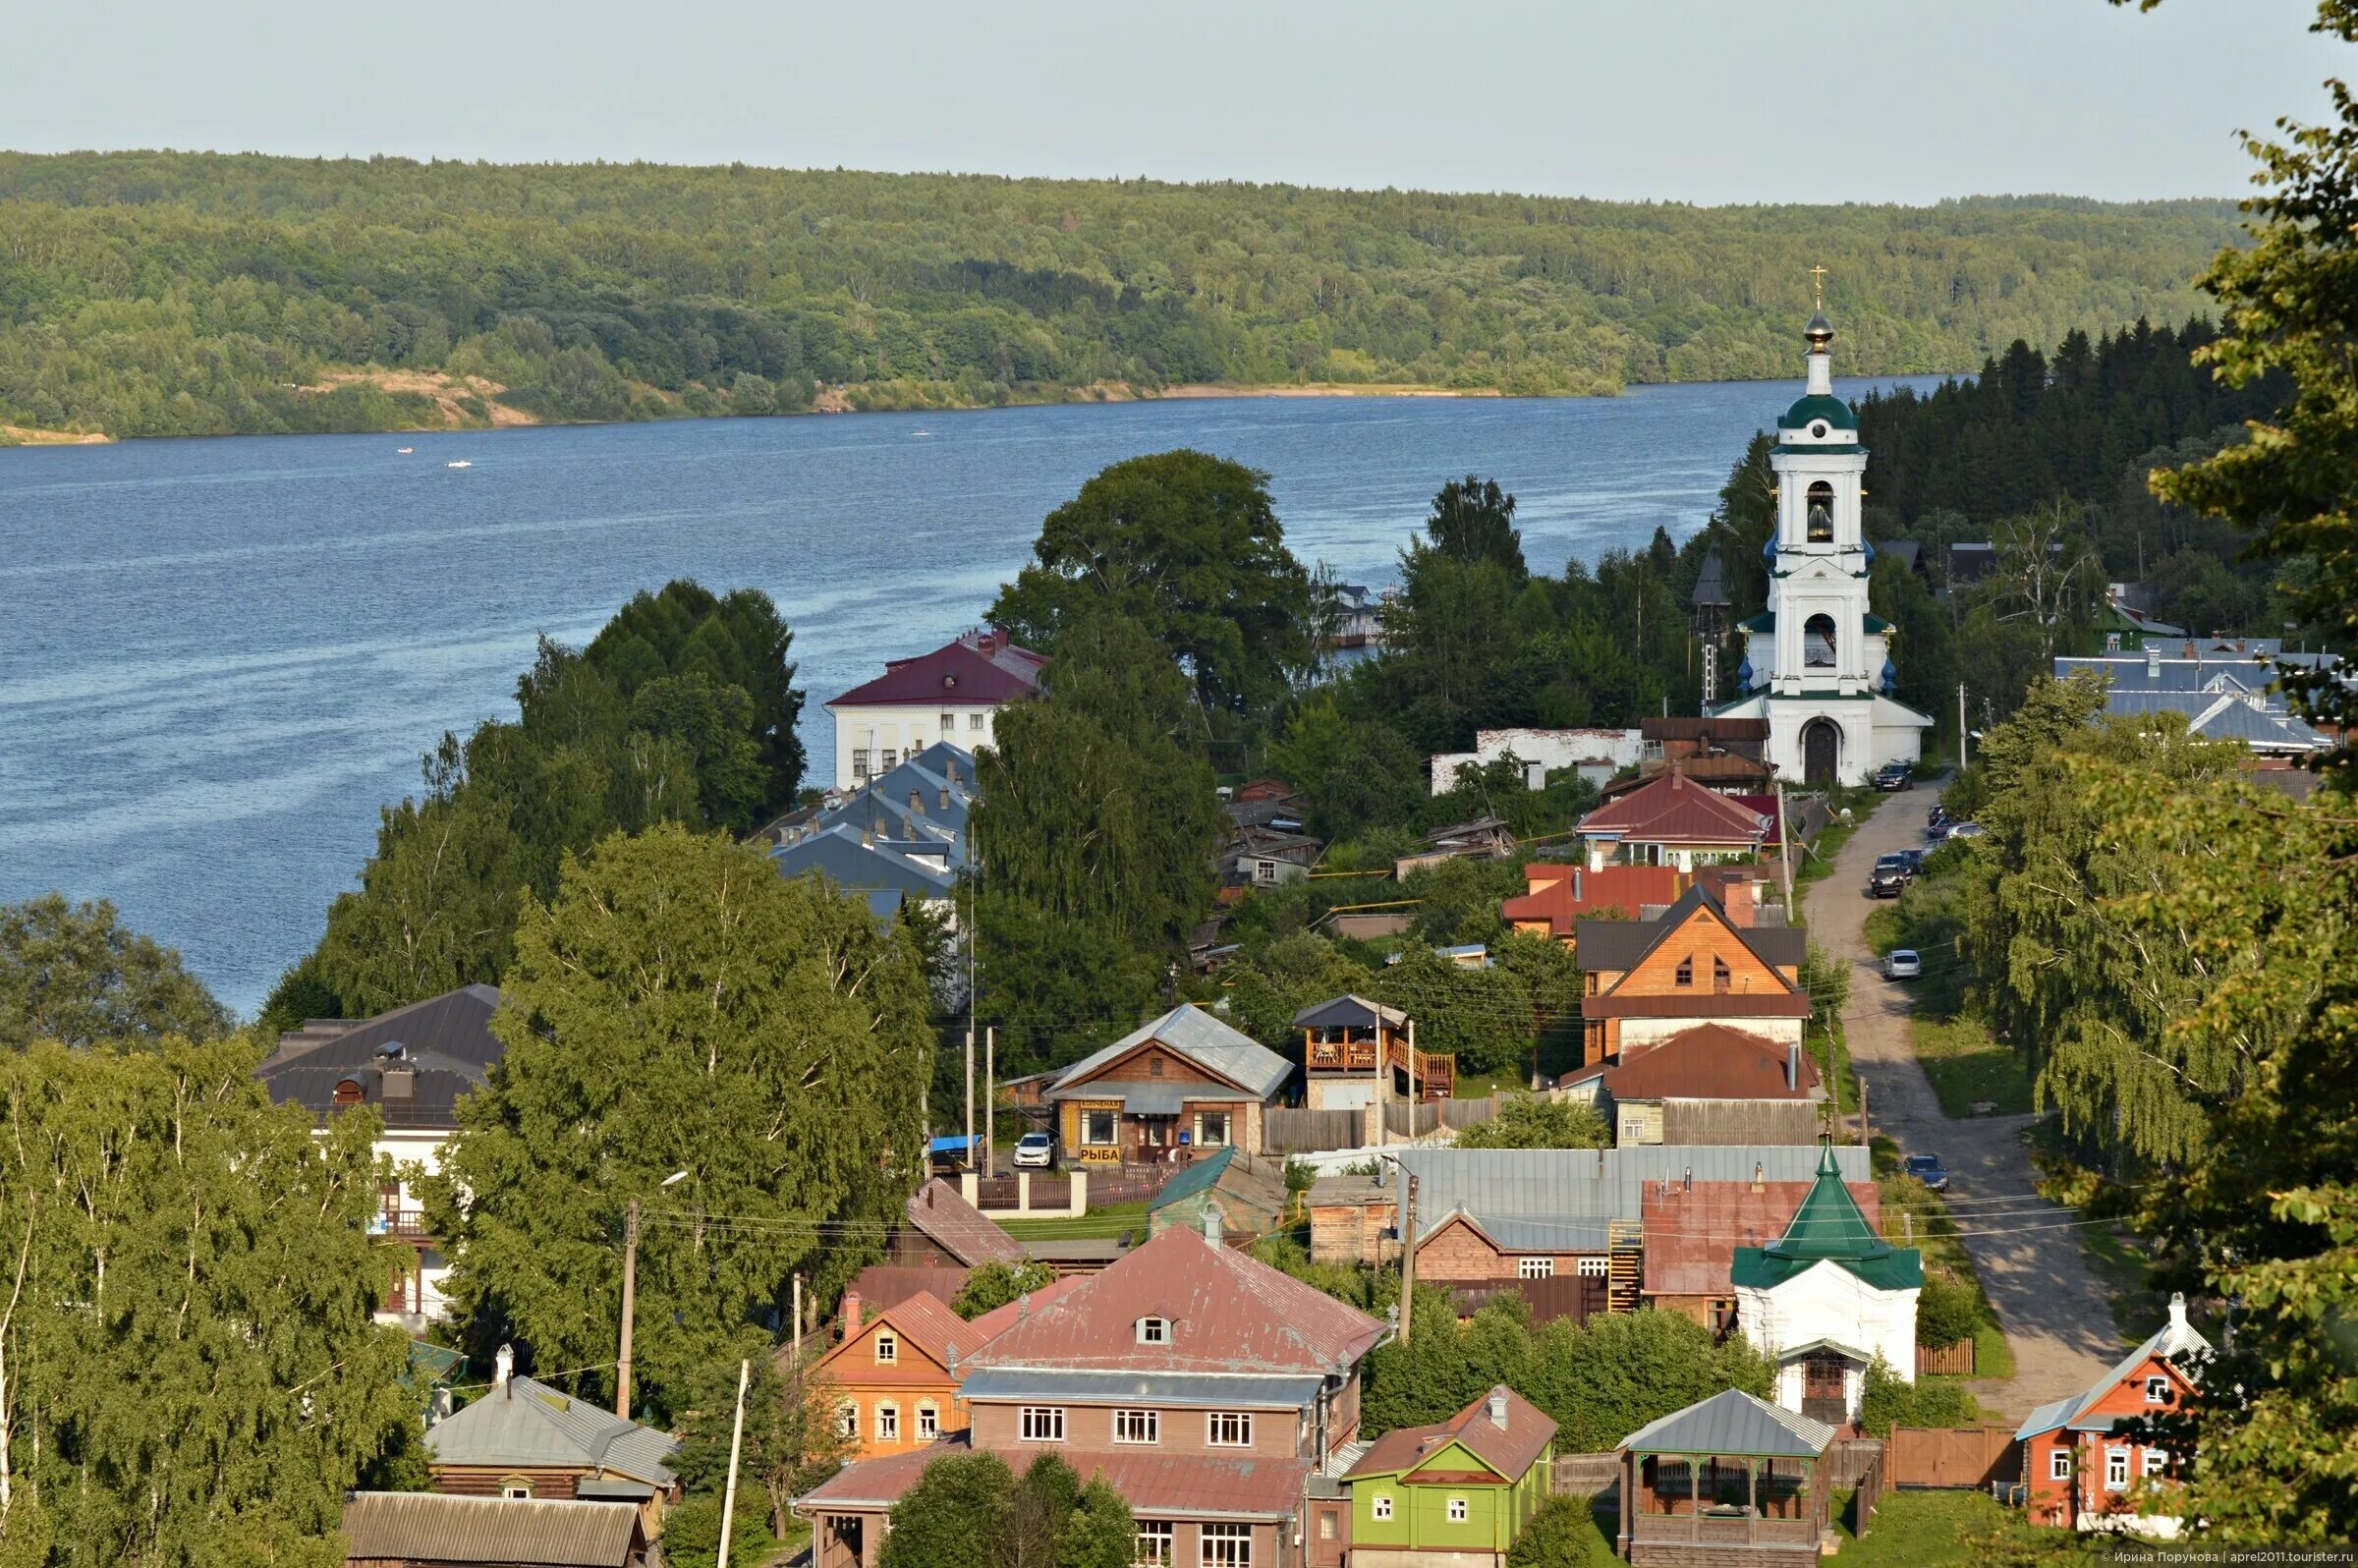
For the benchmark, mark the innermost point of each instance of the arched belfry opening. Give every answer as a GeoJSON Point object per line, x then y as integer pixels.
{"type": "Point", "coordinates": [1820, 512]}
{"type": "Point", "coordinates": [1817, 643]}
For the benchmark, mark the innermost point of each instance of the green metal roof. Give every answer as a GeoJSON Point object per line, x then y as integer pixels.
{"type": "Point", "coordinates": [1199, 1176]}
{"type": "Point", "coordinates": [1828, 1227]}
{"type": "Point", "coordinates": [1876, 623]}
{"type": "Point", "coordinates": [1832, 410]}
{"type": "Point", "coordinates": [1766, 621]}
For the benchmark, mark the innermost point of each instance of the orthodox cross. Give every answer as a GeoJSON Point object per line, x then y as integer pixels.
{"type": "Point", "coordinates": [1818, 280]}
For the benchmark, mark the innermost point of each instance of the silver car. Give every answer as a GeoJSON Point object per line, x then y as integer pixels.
{"type": "Point", "coordinates": [1902, 963]}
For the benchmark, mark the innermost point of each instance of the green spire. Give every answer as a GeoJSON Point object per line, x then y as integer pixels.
{"type": "Point", "coordinates": [1829, 1227]}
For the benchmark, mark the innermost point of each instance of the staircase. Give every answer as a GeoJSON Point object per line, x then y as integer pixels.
{"type": "Point", "coordinates": [1625, 1267]}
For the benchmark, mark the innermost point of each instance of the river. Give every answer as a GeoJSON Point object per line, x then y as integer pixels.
{"type": "Point", "coordinates": [220, 657]}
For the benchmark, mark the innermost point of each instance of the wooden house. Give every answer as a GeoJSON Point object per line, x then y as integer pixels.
{"type": "Point", "coordinates": [1644, 981]}
{"type": "Point", "coordinates": [1184, 1080]}
{"type": "Point", "coordinates": [1355, 1053]}
{"type": "Point", "coordinates": [430, 1529]}
{"type": "Point", "coordinates": [891, 1376]}
{"type": "Point", "coordinates": [2086, 1464]}
{"type": "Point", "coordinates": [1456, 1491]}
{"type": "Point", "coordinates": [1244, 1193]}
{"type": "Point", "coordinates": [524, 1439]}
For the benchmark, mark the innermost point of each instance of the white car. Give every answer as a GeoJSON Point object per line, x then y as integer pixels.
{"type": "Point", "coordinates": [1034, 1151]}
{"type": "Point", "coordinates": [1967, 830]}
{"type": "Point", "coordinates": [1902, 963]}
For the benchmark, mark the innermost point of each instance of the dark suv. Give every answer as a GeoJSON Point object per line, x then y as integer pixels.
{"type": "Point", "coordinates": [1894, 776]}
{"type": "Point", "coordinates": [1890, 876]}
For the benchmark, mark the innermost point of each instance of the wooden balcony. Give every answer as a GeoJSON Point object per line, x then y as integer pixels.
{"type": "Point", "coordinates": [1435, 1072]}
{"type": "Point", "coordinates": [407, 1224]}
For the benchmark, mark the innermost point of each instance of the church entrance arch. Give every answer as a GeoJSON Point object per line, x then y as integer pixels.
{"type": "Point", "coordinates": [1821, 751]}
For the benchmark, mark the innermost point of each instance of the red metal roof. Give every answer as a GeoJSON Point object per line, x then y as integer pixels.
{"type": "Point", "coordinates": [1709, 1062]}
{"type": "Point", "coordinates": [1577, 893]}
{"type": "Point", "coordinates": [1509, 1451]}
{"type": "Point", "coordinates": [982, 1331]}
{"type": "Point", "coordinates": [979, 667]}
{"type": "Point", "coordinates": [1157, 1485]}
{"type": "Point", "coordinates": [961, 1229]}
{"type": "Point", "coordinates": [880, 1285]}
{"type": "Point", "coordinates": [1672, 810]}
{"type": "Point", "coordinates": [1229, 1311]}
{"type": "Point", "coordinates": [924, 1323]}
{"type": "Point", "coordinates": [1691, 1237]}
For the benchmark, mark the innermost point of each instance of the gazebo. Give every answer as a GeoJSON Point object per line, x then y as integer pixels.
{"type": "Point", "coordinates": [1732, 1478]}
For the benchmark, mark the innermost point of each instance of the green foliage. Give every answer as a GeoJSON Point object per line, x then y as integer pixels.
{"type": "Point", "coordinates": [791, 1440]}
{"type": "Point", "coordinates": [178, 294]}
{"type": "Point", "coordinates": [72, 973]}
{"type": "Point", "coordinates": [1892, 1401]}
{"type": "Point", "coordinates": [680, 1006]}
{"type": "Point", "coordinates": [187, 1299]}
{"type": "Point", "coordinates": [1948, 1309]}
{"type": "Point", "coordinates": [1600, 1382]}
{"type": "Point", "coordinates": [1526, 1121]}
{"type": "Point", "coordinates": [1562, 1533]}
{"type": "Point", "coordinates": [1187, 547]}
{"type": "Point", "coordinates": [692, 1532]}
{"type": "Point", "coordinates": [1095, 827]}
{"type": "Point", "coordinates": [1361, 1285]}
{"type": "Point", "coordinates": [995, 1284]}
{"type": "Point", "coordinates": [970, 1511]}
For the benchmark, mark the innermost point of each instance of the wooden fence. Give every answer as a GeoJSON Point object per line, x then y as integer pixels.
{"type": "Point", "coordinates": [1852, 1457]}
{"type": "Point", "coordinates": [1952, 1456]}
{"type": "Point", "coordinates": [1945, 1361]}
{"type": "Point", "coordinates": [1307, 1132]}
{"type": "Point", "coordinates": [1588, 1475]}
{"type": "Point", "coordinates": [1871, 1484]}
{"type": "Point", "coordinates": [1574, 1296]}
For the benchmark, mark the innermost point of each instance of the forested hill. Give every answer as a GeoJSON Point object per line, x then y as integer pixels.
{"type": "Point", "coordinates": [145, 294]}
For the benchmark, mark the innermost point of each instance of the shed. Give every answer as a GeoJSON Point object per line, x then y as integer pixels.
{"type": "Point", "coordinates": [1729, 1479]}
{"type": "Point", "coordinates": [424, 1528]}
{"type": "Point", "coordinates": [1247, 1194]}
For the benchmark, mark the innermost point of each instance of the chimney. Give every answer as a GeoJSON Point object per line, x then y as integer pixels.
{"type": "Point", "coordinates": [1499, 1407]}
{"type": "Point", "coordinates": [1760, 1178]}
{"type": "Point", "coordinates": [2178, 1312]}
{"type": "Point", "coordinates": [953, 767]}
{"type": "Point", "coordinates": [1690, 1180]}
{"type": "Point", "coordinates": [929, 1193]}
{"type": "Point", "coordinates": [1211, 1223]}
{"type": "Point", "coordinates": [1739, 901]}
{"type": "Point", "coordinates": [949, 1360]}
{"type": "Point", "coordinates": [917, 803]}
{"type": "Point", "coordinates": [1023, 1306]}
{"type": "Point", "coordinates": [851, 1312]}
{"type": "Point", "coordinates": [503, 1366]}
{"type": "Point", "coordinates": [1792, 1067]}
{"type": "Point", "coordinates": [945, 795]}
{"type": "Point", "coordinates": [399, 1084]}
{"type": "Point", "coordinates": [2153, 662]}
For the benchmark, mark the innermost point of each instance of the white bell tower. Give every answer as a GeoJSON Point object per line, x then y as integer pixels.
{"type": "Point", "coordinates": [1817, 662]}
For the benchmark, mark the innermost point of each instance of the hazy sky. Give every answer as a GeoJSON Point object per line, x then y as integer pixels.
{"type": "Point", "coordinates": [1699, 100]}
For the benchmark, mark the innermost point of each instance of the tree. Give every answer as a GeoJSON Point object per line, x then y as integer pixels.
{"type": "Point", "coordinates": [681, 1007]}
{"type": "Point", "coordinates": [1473, 520]}
{"type": "Point", "coordinates": [191, 1369]}
{"type": "Point", "coordinates": [1187, 548]}
{"type": "Point", "coordinates": [970, 1511]}
{"type": "Point", "coordinates": [1890, 1400]}
{"type": "Point", "coordinates": [791, 1439]}
{"type": "Point", "coordinates": [73, 972]}
{"type": "Point", "coordinates": [1526, 1121]}
{"type": "Point", "coordinates": [993, 1283]}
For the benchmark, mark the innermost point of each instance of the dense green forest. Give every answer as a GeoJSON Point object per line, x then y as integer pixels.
{"type": "Point", "coordinates": [167, 293]}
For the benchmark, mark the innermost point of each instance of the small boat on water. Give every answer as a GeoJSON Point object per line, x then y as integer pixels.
{"type": "Point", "coordinates": [405, 451]}
{"type": "Point", "coordinates": [460, 464]}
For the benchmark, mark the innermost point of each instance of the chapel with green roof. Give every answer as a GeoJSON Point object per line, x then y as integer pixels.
{"type": "Point", "coordinates": [1827, 1298]}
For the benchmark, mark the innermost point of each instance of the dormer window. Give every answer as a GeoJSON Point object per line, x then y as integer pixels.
{"type": "Point", "coordinates": [1153, 1330]}
{"type": "Point", "coordinates": [349, 1092]}
{"type": "Point", "coordinates": [888, 1349]}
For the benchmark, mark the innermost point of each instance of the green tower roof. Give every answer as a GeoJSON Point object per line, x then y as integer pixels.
{"type": "Point", "coordinates": [1819, 406]}
{"type": "Point", "coordinates": [1829, 1227]}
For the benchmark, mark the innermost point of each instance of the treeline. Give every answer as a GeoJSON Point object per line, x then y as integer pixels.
{"type": "Point", "coordinates": [161, 293]}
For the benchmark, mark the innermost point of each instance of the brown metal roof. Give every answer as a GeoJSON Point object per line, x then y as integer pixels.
{"type": "Point", "coordinates": [1157, 1485]}
{"type": "Point", "coordinates": [1691, 1235]}
{"type": "Point", "coordinates": [1229, 1311]}
{"type": "Point", "coordinates": [1580, 893]}
{"type": "Point", "coordinates": [880, 1285]}
{"type": "Point", "coordinates": [438, 1528]}
{"type": "Point", "coordinates": [1711, 1061]}
{"type": "Point", "coordinates": [1671, 810]}
{"type": "Point", "coordinates": [957, 1226]}
{"type": "Point", "coordinates": [924, 1323]}
{"type": "Point", "coordinates": [1509, 1451]}
{"type": "Point", "coordinates": [1733, 1004]}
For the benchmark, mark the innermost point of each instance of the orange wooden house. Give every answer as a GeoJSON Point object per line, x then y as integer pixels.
{"type": "Point", "coordinates": [1644, 981]}
{"type": "Point", "coordinates": [2087, 1465]}
{"type": "Point", "coordinates": [891, 1374]}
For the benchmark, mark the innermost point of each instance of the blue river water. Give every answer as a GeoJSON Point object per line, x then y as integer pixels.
{"type": "Point", "coordinates": [218, 658]}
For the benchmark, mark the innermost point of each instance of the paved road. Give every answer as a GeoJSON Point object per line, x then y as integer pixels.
{"type": "Point", "coordinates": [2056, 1313]}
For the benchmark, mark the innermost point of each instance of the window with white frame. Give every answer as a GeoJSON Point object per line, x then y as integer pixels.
{"type": "Point", "coordinates": [2058, 1464]}
{"type": "Point", "coordinates": [1591, 1269]}
{"type": "Point", "coordinates": [516, 1489]}
{"type": "Point", "coordinates": [1381, 1508]}
{"type": "Point", "coordinates": [888, 1348]}
{"type": "Point", "coordinates": [974, 723]}
{"type": "Point", "coordinates": [2152, 1462]}
{"type": "Point", "coordinates": [859, 761]}
{"type": "Point", "coordinates": [1211, 1129]}
{"type": "Point", "coordinates": [1042, 1424]}
{"type": "Point", "coordinates": [847, 1420]}
{"type": "Point", "coordinates": [949, 722]}
{"type": "Point", "coordinates": [1096, 1128]}
{"type": "Point", "coordinates": [2117, 1469]}
{"type": "Point", "coordinates": [1227, 1545]}
{"type": "Point", "coordinates": [929, 1423]}
{"type": "Point", "coordinates": [1154, 1543]}
{"type": "Point", "coordinates": [1633, 1129]}
{"type": "Point", "coordinates": [888, 1424]}
{"type": "Point", "coordinates": [2157, 1390]}
{"type": "Point", "coordinates": [1229, 1428]}
{"type": "Point", "coordinates": [1535, 1268]}
{"type": "Point", "coordinates": [1137, 1425]}
{"type": "Point", "coordinates": [1153, 1330]}
{"type": "Point", "coordinates": [1457, 1510]}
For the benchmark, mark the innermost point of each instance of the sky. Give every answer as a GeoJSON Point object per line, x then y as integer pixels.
{"type": "Point", "coordinates": [1691, 100]}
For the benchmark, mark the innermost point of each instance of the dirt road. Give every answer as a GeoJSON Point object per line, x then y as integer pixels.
{"type": "Point", "coordinates": [2055, 1311]}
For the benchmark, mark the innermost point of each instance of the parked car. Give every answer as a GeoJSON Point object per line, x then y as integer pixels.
{"type": "Point", "coordinates": [1894, 776]}
{"type": "Point", "coordinates": [1888, 878]}
{"type": "Point", "coordinates": [1966, 830]}
{"type": "Point", "coordinates": [1902, 963]}
{"type": "Point", "coordinates": [1034, 1151]}
{"type": "Point", "coordinates": [1913, 858]}
{"type": "Point", "coordinates": [1928, 1170]}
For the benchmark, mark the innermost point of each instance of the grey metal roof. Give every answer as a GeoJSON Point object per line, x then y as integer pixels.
{"type": "Point", "coordinates": [1564, 1194]}
{"type": "Point", "coordinates": [2174, 1339]}
{"type": "Point", "coordinates": [446, 1042]}
{"type": "Point", "coordinates": [437, 1527]}
{"type": "Point", "coordinates": [1211, 1391]}
{"type": "Point", "coordinates": [1349, 1011]}
{"type": "Point", "coordinates": [1736, 1424]}
{"type": "Point", "coordinates": [882, 870]}
{"type": "Point", "coordinates": [1152, 1099]}
{"type": "Point", "coordinates": [525, 1422]}
{"type": "Point", "coordinates": [1202, 1039]}
{"type": "Point", "coordinates": [1564, 1234]}
{"type": "Point", "coordinates": [1620, 945]}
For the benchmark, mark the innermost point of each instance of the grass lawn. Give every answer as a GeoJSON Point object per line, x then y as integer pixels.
{"type": "Point", "coordinates": [1815, 862]}
{"type": "Point", "coordinates": [1926, 1529]}
{"type": "Point", "coordinates": [1965, 1065]}
{"type": "Point", "coordinates": [1104, 1221]}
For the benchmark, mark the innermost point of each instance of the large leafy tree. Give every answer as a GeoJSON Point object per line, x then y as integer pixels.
{"type": "Point", "coordinates": [678, 1006]}
{"type": "Point", "coordinates": [971, 1511]}
{"type": "Point", "coordinates": [75, 974]}
{"type": "Point", "coordinates": [1188, 547]}
{"type": "Point", "coordinates": [189, 1369]}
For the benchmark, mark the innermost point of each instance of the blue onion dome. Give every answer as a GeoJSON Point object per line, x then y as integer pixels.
{"type": "Point", "coordinates": [1744, 675]}
{"type": "Point", "coordinates": [1870, 549]}
{"type": "Point", "coordinates": [1769, 550]}
{"type": "Point", "coordinates": [1890, 674]}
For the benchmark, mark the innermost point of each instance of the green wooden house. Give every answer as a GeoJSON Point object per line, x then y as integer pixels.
{"type": "Point", "coordinates": [1458, 1492]}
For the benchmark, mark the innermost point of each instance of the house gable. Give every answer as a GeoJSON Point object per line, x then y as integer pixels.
{"type": "Point", "coordinates": [1703, 940]}
{"type": "Point", "coordinates": [1452, 1465]}
{"type": "Point", "coordinates": [854, 1359]}
{"type": "Point", "coordinates": [1152, 1062]}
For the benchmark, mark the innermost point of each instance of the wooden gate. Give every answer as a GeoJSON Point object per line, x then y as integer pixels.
{"type": "Point", "coordinates": [1945, 1361]}
{"type": "Point", "coordinates": [1952, 1456]}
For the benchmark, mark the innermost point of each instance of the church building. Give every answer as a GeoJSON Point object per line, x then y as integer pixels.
{"type": "Point", "coordinates": [1818, 662]}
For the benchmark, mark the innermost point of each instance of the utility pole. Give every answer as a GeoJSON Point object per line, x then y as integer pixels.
{"type": "Point", "coordinates": [970, 1084]}
{"type": "Point", "coordinates": [1961, 726]}
{"type": "Point", "coordinates": [798, 1319]}
{"type": "Point", "coordinates": [1866, 1130]}
{"type": "Point", "coordinates": [1784, 848]}
{"type": "Point", "coordinates": [728, 1496]}
{"type": "Point", "coordinates": [1408, 1254]}
{"type": "Point", "coordinates": [1414, 1098]}
{"type": "Point", "coordinates": [630, 1304]}
{"type": "Point", "coordinates": [991, 1096]}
